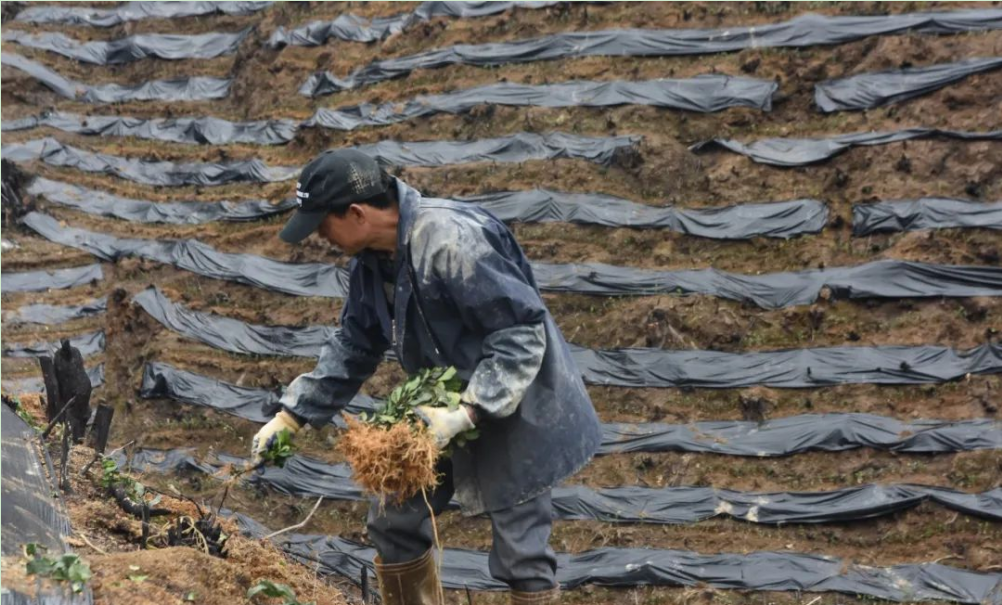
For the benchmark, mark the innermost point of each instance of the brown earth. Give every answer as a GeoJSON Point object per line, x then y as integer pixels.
{"type": "Point", "coordinates": [665, 174]}
{"type": "Point", "coordinates": [108, 540]}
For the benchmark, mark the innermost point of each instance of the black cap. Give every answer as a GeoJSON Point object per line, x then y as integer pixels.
{"type": "Point", "coordinates": [332, 180]}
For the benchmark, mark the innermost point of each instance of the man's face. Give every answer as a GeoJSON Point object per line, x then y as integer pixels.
{"type": "Point", "coordinates": [349, 233]}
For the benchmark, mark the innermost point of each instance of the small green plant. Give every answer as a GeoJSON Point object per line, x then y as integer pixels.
{"type": "Point", "coordinates": [68, 568]}
{"type": "Point", "coordinates": [267, 588]}
{"type": "Point", "coordinates": [112, 478]}
{"type": "Point", "coordinates": [138, 493]}
{"type": "Point", "coordinates": [280, 450]}
{"type": "Point", "coordinates": [435, 387]}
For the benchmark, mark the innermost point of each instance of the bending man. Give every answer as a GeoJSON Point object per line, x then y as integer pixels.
{"type": "Point", "coordinates": [444, 283]}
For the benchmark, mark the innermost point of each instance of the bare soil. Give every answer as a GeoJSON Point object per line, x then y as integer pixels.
{"type": "Point", "coordinates": [108, 539]}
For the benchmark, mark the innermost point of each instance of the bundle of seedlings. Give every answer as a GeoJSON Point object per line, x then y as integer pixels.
{"type": "Point", "coordinates": [391, 452]}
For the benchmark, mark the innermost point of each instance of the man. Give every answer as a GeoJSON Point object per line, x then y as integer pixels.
{"type": "Point", "coordinates": [445, 284]}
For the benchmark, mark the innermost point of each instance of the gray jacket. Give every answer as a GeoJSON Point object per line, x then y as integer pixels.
{"type": "Point", "coordinates": [463, 295]}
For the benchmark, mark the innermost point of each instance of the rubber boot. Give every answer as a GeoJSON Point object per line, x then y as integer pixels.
{"type": "Point", "coordinates": [546, 597]}
{"type": "Point", "coordinates": [412, 583]}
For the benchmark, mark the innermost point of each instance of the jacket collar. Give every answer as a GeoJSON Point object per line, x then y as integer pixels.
{"type": "Point", "coordinates": [409, 202]}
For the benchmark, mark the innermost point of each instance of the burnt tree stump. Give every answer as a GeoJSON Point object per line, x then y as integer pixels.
{"type": "Point", "coordinates": [102, 427]}
{"type": "Point", "coordinates": [65, 379]}
{"type": "Point", "coordinates": [53, 402]}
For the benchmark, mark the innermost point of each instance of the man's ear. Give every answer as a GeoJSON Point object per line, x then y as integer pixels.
{"type": "Point", "coordinates": [357, 213]}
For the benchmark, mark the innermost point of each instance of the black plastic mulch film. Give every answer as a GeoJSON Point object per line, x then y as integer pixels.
{"type": "Point", "coordinates": [704, 94]}
{"type": "Point", "coordinates": [88, 344]}
{"type": "Point", "coordinates": [25, 481]}
{"type": "Point", "coordinates": [352, 28]}
{"type": "Point", "coordinates": [868, 90]}
{"type": "Point", "coordinates": [707, 93]}
{"type": "Point", "coordinates": [779, 437]}
{"type": "Point", "coordinates": [199, 258]}
{"type": "Point", "coordinates": [778, 571]}
{"type": "Point", "coordinates": [196, 131]}
{"type": "Point", "coordinates": [195, 88]}
{"type": "Point", "coordinates": [192, 212]}
{"type": "Point", "coordinates": [131, 48]}
{"type": "Point", "coordinates": [801, 152]}
{"type": "Point", "coordinates": [309, 478]}
{"type": "Point", "coordinates": [878, 279]}
{"type": "Point", "coordinates": [791, 368]}
{"type": "Point", "coordinates": [802, 31]}
{"type": "Point", "coordinates": [50, 315]}
{"type": "Point", "coordinates": [783, 571]}
{"type": "Point", "coordinates": [132, 11]}
{"type": "Point", "coordinates": [518, 147]}
{"type": "Point", "coordinates": [32, 511]}
{"type": "Point", "coordinates": [54, 279]}
{"type": "Point", "coordinates": [168, 174]}
{"type": "Point", "coordinates": [741, 221]}
{"type": "Point", "coordinates": [924, 213]}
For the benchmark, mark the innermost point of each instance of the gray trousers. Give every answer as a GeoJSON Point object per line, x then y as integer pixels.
{"type": "Point", "coordinates": [520, 555]}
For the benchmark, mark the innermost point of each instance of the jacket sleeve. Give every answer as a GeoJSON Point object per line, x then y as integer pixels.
{"type": "Point", "coordinates": [347, 360]}
{"type": "Point", "coordinates": [474, 262]}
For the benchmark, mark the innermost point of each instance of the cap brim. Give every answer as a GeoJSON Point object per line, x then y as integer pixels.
{"type": "Point", "coordinates": [300, 226]}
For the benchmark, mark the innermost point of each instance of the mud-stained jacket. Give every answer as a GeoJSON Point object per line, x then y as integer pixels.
{"type": "Point", "coordinates": [463, 294]}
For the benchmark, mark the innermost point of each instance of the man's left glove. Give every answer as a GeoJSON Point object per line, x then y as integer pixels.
{"type": "Point", "coordinates": [283, 420]}
{"type": "Point", "coordinates": [444, 424]}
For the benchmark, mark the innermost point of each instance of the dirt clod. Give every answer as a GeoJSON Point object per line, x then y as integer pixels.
{"type": "Point", "coordinates": [751, 66]}
{"type": "Point", "coordinates": [755, 405]}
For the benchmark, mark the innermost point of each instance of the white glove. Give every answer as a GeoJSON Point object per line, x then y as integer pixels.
{"type": "Point", "coordinates": [283, 420]}
{"type": "Point", "coordinates": [444, 424]}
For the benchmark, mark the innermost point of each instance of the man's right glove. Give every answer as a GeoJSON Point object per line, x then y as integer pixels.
{"type": "Point", "coordinates": [444, 424]}
{"type": "Point", "coordinates": [283, 420]}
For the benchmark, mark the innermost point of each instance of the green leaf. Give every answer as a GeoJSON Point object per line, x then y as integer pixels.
{"type": "Point", "coordinates": [138, 579]}
{"type": "Point", "coordinates": [271, 589]}
{"type": "Point", "coordinates": [281, 449]}
{"type": "Point", "coordinates": [189, 596]}
{"type": "Point", "coordinates": [33, 549]}
{"type": "Point", "coordinates": [435, 387]}
{"type": "Point", "coordinates": [74, 567]}
{"type": "Point", "coordinates": [41, 567]}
